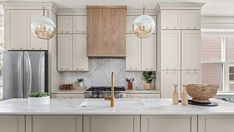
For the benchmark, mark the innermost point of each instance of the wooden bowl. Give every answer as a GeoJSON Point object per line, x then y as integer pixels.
{"type": "Point", "coordinates": [201, 92]}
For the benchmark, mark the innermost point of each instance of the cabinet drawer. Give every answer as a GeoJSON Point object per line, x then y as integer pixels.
{"type": "Point", "coordinates": [143, 95]}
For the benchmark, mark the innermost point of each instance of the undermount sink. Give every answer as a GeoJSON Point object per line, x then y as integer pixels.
{"type": "Point", "coordinates": [106, 103]}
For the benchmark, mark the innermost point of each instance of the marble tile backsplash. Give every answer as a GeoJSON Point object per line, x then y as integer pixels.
{"type": "Point", "coordinates": [99, 74]}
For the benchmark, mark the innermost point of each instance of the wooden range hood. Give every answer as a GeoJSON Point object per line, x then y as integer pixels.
{"type": "Point", "coordinates": [106, 27]}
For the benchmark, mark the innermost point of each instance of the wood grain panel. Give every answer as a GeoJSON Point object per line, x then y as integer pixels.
{"type": "Point", "coordinates": [106, 31]}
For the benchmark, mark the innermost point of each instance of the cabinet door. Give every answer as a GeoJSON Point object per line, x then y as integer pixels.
{"type": "Point", "coordinates": [79, 24]}
{"type": "Point", "coordinates": [129, 21]}
{"type": "Point", "coordinates": [170, 19]}
{"type": "Point", "coordinates": [133, 53]}
{"type": "Point", "coordinates": [191, 55]}
{"type": "Point", "coordinates": [111, 123]}
{"type": "Point", "coordinates": [16, 29]}
{"type": "Point", "coordinates": [12, 123]}
{"type": "Point", "coordinates": [191, 77]}
{"type": "Point", "coordinates": [169, 124]}
{"type": "Point", "coordinates": [64, 52]}
{"type": "Point", "coordinates": [34, 42]}
{"type": "Point", "coordinates": [64, 24]}
{"type": "Point", "coordinates": [54, 124]}
{"type": "Point", "coordinates": [168, 79]}
{"type": "Point", "coordinates": [216, 123]}
{"type": "Point", "coordinates": [170, 50]}
{"type": "Point", "coordinates": [80, 60]}
{"type": "Point", "coordinates": [191, 19]}
{"type": "Point", "coordinates": [149, 53]}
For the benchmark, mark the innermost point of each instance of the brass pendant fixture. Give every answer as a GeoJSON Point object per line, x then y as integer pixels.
{"type": "Point", "coordinates": [143, 26]}
{"type": "Point", "coordinates": [43, 27]}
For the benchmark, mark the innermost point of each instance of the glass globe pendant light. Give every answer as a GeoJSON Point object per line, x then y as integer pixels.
{"type": "Point", "coordinates": [143, 26]}
{"type": "Point", "coordinates": [43, 27]}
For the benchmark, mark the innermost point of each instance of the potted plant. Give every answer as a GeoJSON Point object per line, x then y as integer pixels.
{"type": "Point", "coordinates": [148, 77]}
{"type": "Point", "coordinates": [39, 98]}
{"type": "Point", "coordinates": [81, 82]}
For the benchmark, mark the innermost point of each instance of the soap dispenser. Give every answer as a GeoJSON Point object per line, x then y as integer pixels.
{"type": "Point", "coordinates": [175, 96]}
{"type": "Point", "coordinates": [184, 96]}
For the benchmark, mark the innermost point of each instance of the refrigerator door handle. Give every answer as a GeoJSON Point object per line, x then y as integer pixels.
{"type": "Point", "coordinates": [20, 75]}
{"type": "Point", "coordinates": [41, 76]}
{"type": "Point", "coordinates": [29, 73]}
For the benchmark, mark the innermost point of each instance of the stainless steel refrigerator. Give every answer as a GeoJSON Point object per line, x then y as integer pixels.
{"type": "Point", "coordinates": [24, 72]}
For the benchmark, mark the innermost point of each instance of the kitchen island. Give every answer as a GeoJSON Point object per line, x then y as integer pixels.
{"type": "Point", "coordinates": [85, 115]}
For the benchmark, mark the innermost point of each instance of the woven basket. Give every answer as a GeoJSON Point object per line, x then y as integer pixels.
{"type": "Point", "coordinates": [200, 92]}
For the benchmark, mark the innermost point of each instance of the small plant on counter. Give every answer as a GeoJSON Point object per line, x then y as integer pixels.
{"type": "Point", "coordinates": [39, 98]}
{"type": "Point", "coordinates": [39, 94]}
{"type": "Point", "coordinates": [148, 77]}
{"type": "Point", "coordinates": [81, 82]}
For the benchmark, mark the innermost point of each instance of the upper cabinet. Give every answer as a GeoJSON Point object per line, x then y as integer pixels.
{"type": "Point", "coordinates": [140, 53]}
{"type": "Point", "coordinates": [191, 19]}
{"type": "Point", "coordinates": [180, 19]}
{"type": "Point", "coordinates": [106, 27]}
{"type": "Point", "coordinates": [170, 19]}
{"type": "Point", "coordinates": [79, 24]}
{"type": "Point", "coordinates": [64, 24]}
{"type": "Point", "coordinates": [18, 34]}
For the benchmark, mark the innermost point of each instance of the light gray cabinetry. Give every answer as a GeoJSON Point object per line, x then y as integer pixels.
{"type": "Point", "coordinates": [54, 124]}
{"type": "Point", "coordinates": [12, 124]}
{"type": "Point", "coordinates": [216, 123]}
{"type": "Point", "coordinates": [111, 124]}
{"type": "Point", "coordinates": [168, 124]}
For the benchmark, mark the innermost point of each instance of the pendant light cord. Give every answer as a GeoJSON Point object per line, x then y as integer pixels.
{"type": "Point", "coordinates": [143, 7]}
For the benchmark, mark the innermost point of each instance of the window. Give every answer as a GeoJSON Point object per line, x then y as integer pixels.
{"type": "Point", "coordinates": [218, 60]}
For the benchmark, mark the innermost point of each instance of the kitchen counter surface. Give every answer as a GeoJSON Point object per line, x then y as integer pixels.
{"type": "Point", "coordinates": [78, 107]}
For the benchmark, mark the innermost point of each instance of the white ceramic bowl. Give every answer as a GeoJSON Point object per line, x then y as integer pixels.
{"type": "Point", "coordinates": [38, 100]}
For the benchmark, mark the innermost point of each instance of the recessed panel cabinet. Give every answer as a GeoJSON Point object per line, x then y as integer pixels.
{"type": "Point", "coordinates": [79, 24]}
{"type": "Point", "coordinates": [140, 53]}
{"type": "Point", "coordinates": [191, 47]}
{"type": "Point", "coordinates": [18, 34]}
{"type": "Point", "coordinates": [54, 124]}
{"type": "Point", "coordinates": [72, 52]}
{"type": "Point", "coordinates": [12, 123]}
{"type": "Point", "coordinates": [170, 19]}
{"type": "Point", "coordinates": [65, 52]}
{"type": "Point", "coordinates": [168, 124]}
{"type": "Point", "coordinates": [111, 124]}
{"type": "Point", "coordinates": [170, 50]}
{"type": "Point", "coordinates": [64, 24]}
{"type": "Point", "coordinates": [191, 19]}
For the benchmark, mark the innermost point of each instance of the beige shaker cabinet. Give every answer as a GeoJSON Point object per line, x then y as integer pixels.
{"type": "Point", "coordinates": [111, 124]}
{"type": "Point", "coordinates": [80, 62]}
{"type": "Point", "coordinates": [169, 52]}
{"type": "Point", "coordinates": [148, 53]}
{"type": "Point", "coordinates": [191, 47]}
{"type": "Point", "coordinates": [65, 24]}
{"type": "Point", "coordinates": [18, 34]}
{"type": "Point", "coordinates": [79, 24]}
{"type": "Point", "coordinates": [216, 123]}
{"type": "Point", "coordinates": [133, 53]}
{"type": "Point", "coordinates": [170, 19]}
{"type": "Point", "coordinates": [54, 124]}
{"type": "Point", "coordinates": [64, 52]}
{"type": "Point", "coordinates": [12, 123]}
{"type": "Point", "coordinates": [191, 77]}
{"type": "Point", "coordinates": [191, 19]}
{"type": "Point", "coordinates": [171, 123]}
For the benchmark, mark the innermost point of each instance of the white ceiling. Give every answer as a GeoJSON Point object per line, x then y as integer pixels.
{"type": "Point", "coordinates": [212, 7]}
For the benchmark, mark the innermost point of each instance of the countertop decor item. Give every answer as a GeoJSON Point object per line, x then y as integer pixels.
{"type": "Point", "coordinates": [43, 27]}
{"type": "Point", "coordinates": [201, 93]}
{"type": "Point", "coordinates": [148, 77]}
{"type": "Point", "coordinates": [184, 96]}
{"type": "Point", "coordinates": [130, 83]}
{"type": "Point", "coordinates": [143, 26]}
{"type": "Point", "coordinates": [39, 98]}
{"type": "Point", "coordinates": [175, 95]}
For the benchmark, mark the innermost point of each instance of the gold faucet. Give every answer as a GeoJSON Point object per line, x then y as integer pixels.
{"type": "Point", "coordinates": [112, 97]}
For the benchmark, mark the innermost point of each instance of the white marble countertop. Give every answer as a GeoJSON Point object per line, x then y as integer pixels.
{"type": "Point", "coordinates": [148, 107]}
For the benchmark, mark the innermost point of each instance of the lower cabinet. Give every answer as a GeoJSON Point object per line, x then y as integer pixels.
{"type": "Point", "coordinates": [216, 123]}
{"type": "Point", "coordinates": [111, 124]}
{"type": "Point", "coordinates": [12, 124]}
{"type": "Point", "coordinates": [54, 124]}
{"type": "Point", "coordinates": [169, 123]}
